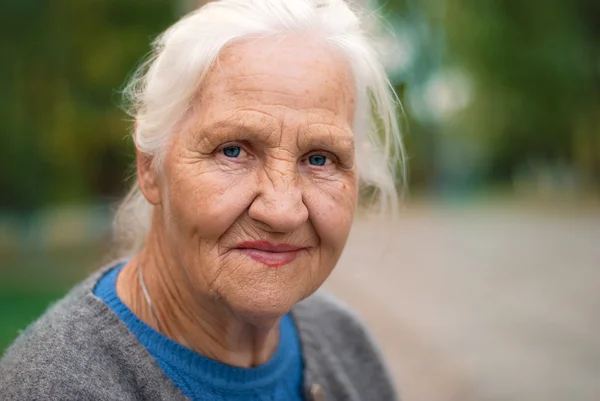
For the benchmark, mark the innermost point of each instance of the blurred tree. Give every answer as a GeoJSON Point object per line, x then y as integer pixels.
{"type": "Point", "coordinates": [532, 71]}
{"type": "Point", "coordinates": [61, 126]}
{"type": "Point", "coordinates": [533, 85]}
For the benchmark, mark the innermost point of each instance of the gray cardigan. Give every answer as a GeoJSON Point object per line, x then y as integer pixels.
{"type": "Point", "coordinates": [80, 350]}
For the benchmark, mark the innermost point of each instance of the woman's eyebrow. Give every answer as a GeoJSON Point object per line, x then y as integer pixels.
{"type": "Point", "coordinates": [327, 136]}
{"type": "Point", "coordinates": [238, 127]}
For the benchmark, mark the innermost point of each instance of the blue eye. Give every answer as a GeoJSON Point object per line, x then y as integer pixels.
{"type": "Point", "coordinates": [232, 151]}
{"type": "Point", "coordinates": [317, 160]}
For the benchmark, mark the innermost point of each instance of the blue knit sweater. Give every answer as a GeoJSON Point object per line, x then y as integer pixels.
{"type": "Point", "coordinates": [201, 378]}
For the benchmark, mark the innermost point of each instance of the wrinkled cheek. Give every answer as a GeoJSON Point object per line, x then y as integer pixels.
{"type": "Point", "coordinates": [207, 205]}
{"type": "Point", "coordinates": [344, 195]}
{"type": "Point", "coordinates": [333, 210]}
{"type": "Point", "coordinates": [219, 269]}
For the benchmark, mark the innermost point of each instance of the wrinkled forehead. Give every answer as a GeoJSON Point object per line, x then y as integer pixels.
{"type": "Point", "coordinates": [296, 71]}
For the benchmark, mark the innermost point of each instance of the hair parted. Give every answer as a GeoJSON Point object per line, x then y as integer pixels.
{"type": "Point", "coordinates": [160, 92]}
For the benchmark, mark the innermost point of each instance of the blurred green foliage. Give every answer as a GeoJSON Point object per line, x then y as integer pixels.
{"type": "Point", "coordinates": [61, 125]}
{"type": "Point", "coordinates": [531, 75]}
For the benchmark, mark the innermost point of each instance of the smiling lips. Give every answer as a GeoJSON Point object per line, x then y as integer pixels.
{"type": "Point", "coordinates": [270, 254]}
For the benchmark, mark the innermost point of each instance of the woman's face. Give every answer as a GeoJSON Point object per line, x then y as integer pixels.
{"type": "Point", "coordinates": [259, 185]}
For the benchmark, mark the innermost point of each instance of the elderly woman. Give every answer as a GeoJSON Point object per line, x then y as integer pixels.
{"type": "Point", "coordinates": [257, 122]}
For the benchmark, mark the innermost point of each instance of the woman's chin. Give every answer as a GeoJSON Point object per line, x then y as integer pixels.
{"type": "Point", "coordinates": [261, 306]}
{"type": "Point", "coordinates": [254, 291]}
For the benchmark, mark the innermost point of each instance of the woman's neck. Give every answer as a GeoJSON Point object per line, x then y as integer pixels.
{"type": "Point", "coordinates": [191, 319]}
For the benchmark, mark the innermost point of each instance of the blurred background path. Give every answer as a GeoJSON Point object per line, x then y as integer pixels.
{"type": "Point", "coordinates": [489, 303]}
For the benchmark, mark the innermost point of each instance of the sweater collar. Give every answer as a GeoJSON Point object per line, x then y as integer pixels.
{"type": "Point", "coordinates": [196, 367]}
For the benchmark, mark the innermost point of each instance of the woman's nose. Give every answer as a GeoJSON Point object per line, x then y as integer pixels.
{"type": "Point", "coordinates": [280, 203]}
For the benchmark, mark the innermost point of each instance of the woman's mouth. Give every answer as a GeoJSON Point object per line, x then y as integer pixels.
{"type": "Point", "coordinates": [271, 255]}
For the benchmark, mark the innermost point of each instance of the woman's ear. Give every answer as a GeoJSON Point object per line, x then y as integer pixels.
{"type": "Point", "coordinates": [147, 178]}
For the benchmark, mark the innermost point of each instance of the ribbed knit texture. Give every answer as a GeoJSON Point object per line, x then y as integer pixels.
{"type": "Point", "coordinates": [81, 350]}
{"type": "Point", "coordinates": [201, 378]}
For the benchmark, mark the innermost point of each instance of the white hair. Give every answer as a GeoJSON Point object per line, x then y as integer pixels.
{"type": "Point", "coordinates": [161, 91]}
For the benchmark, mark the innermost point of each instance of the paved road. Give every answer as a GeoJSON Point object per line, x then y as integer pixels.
{"type": "Point", "coordinates": [482, 304]}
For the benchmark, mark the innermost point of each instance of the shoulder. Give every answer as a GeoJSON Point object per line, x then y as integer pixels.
{"type": "Point", "coordinates": [57, 356]}
{"type": "Point", "coordinates": [77, 350]}
{"type": "Point", "coordinates": [334, 322]}
{"type": "Point", "coordinates": [336, 337]}
{"type": "Point", "coordinates": [39, 361]}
